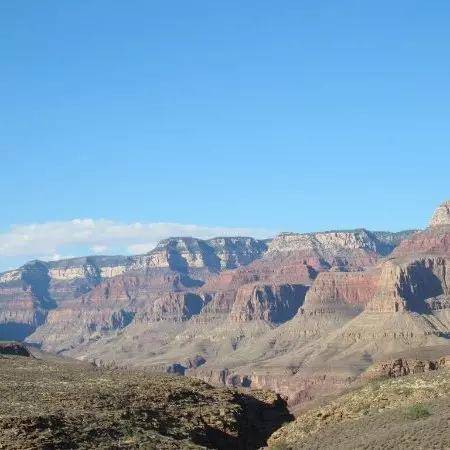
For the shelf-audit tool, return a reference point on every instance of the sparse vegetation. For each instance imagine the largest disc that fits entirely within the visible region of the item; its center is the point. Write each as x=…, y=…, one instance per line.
x=407, y=412
x=417, y=411
x=53, y=404
x=281, y=445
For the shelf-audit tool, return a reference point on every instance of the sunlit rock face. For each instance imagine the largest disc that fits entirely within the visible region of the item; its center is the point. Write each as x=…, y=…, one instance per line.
x=435, y=240
x=276, y=303
x=352, y=249
x=185, y=253
x=98, y=294
x=441, y=215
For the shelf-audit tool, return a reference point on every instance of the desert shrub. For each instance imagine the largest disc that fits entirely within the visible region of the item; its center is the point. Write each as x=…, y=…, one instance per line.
x=280, y=445
x=417, y=411
x=307, y=427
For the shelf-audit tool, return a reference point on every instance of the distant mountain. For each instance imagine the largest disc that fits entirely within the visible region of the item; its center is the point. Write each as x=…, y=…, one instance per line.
x=294, y=313
x=28, y=293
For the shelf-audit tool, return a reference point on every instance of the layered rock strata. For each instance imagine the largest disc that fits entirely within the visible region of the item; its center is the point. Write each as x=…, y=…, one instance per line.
x=402, y=366
x=185, y=254
x=442, y=215
x=235, y=310
x=355, y=249
x=272, y=303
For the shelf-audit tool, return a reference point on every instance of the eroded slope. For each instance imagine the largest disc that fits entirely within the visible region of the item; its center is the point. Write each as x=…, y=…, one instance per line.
x=58, y=404
x=405, y=412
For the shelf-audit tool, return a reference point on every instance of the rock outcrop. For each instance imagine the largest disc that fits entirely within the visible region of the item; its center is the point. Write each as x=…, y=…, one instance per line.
x=71, y=278
x=393, y=413
x=24, y=301
x=354, y=249
x=441, y=215
x=30, y=292
x=362, y=306
x=184, y=254
x=402, y=366
x=173, y=306
x=56, y=281
x=272, y=303
x=433, y=240
x=416, y=284
x=14, y=349
x=297, y=259
x=105, y=287
x=334, y=288
x=390, y=240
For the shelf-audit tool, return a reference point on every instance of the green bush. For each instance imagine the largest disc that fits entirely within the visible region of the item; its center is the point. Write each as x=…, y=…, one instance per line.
x=417, y=411
x=280, y=445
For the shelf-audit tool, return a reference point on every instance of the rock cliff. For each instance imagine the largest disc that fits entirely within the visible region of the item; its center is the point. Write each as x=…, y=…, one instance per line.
x=401, y=367
x=24, y=300
x=441, y=215
x=433, y=240
x=184, y=254
x=68, y=278
x=273, y=303
x=416, y=284
x=357, y=249
x=391, y=240
x=334, y=288
x=116, y=283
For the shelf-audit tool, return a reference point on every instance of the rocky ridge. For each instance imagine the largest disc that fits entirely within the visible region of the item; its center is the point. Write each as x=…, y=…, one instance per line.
x=272, y=303
x=51, y=402
x=402, y=367
x=34, y=292
x=398, y=412
x=185, y=254
x=356, y=249
x=441, y=215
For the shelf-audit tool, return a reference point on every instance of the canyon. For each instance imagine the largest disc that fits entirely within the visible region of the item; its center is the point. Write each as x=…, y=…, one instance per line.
x=304, y=315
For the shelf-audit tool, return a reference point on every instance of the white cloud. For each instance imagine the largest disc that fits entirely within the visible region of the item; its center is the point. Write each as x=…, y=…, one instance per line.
x=136, y=249
x=53, y=257
x=99, y=249
x=56, y=238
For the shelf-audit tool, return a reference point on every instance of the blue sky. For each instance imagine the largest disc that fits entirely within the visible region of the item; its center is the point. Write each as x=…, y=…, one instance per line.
x=256, y=115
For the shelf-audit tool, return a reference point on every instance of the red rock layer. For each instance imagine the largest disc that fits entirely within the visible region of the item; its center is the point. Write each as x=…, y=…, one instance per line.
x=218, y=308
x=434, y=240
x=331, y=288
x=137, y=287
x=173, y=306
x=407, y=285
x=270, y=271
x=275, y=303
